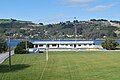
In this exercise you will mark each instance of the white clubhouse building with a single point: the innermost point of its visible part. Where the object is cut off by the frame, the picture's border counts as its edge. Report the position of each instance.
(63, 44)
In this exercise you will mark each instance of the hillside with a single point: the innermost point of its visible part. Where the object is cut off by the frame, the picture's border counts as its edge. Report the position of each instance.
(93, 29)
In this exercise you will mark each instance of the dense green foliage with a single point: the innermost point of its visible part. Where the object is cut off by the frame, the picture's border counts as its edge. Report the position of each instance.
(3, 45)
(21, 47)
(63, 66)
(93, 29)
(109, 44)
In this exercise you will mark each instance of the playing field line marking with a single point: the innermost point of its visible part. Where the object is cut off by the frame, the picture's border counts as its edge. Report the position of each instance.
(43, 71)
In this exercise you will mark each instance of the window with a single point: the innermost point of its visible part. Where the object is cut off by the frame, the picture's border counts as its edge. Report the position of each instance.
(66, 44)
(54, 45)
(48, 45)
(85, 44)
(41, 45)
(36, 45)
(71, 45)
(90, 44)
(74, 45)
(79, 44)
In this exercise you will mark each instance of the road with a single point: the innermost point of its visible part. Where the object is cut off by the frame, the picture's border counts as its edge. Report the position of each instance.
(4, 56)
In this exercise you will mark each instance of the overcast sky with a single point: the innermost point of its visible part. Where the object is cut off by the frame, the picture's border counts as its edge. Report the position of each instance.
(53, 11)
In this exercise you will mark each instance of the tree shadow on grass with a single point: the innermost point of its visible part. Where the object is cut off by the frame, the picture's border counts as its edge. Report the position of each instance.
(17, 67)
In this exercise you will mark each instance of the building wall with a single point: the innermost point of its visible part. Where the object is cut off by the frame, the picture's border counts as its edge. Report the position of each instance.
(64, 46)
(39, 46)
(85, 46)
(53, 46)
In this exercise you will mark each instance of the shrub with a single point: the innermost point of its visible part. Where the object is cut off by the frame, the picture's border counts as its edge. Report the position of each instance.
(109, 44)
(3, 47)
(21, 47)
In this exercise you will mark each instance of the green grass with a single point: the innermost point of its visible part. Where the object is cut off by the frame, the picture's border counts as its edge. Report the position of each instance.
(63, 66)
(118, 47)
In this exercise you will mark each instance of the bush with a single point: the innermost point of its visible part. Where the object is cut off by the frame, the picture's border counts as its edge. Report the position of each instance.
(3, 47)
(21, 47)
(109, 44)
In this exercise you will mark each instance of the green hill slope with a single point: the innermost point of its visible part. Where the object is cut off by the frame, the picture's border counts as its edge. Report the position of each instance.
(18, 29)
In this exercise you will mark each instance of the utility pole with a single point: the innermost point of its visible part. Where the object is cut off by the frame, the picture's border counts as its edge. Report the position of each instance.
(75, 29)
(9, 46)
(75, 32)
(26, 43)
(9, 53)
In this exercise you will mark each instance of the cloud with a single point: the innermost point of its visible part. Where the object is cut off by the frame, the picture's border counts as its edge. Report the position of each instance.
(80, 1)
(101, 7)
(76, 3)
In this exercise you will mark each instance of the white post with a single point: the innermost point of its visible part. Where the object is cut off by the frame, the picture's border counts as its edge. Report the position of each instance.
(34, 45)
(46, 52)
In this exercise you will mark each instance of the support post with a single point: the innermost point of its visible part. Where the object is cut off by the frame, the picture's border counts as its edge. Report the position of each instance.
(75, 32)
(75, 29)
(26, 44)
(46, 52)
(9, 54)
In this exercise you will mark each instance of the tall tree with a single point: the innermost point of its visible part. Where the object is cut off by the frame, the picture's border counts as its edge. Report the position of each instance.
(21, 47)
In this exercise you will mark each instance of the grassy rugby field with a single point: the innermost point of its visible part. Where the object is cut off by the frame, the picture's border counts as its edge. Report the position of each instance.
(63, 66)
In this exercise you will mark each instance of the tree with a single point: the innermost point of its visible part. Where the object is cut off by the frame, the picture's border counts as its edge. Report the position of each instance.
(3, 45)
(109, 44)
(93, 20)
(21, 47)
(75, 21)
(41, 24)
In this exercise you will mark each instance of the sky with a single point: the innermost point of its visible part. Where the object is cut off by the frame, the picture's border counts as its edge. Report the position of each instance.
(54, 11)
